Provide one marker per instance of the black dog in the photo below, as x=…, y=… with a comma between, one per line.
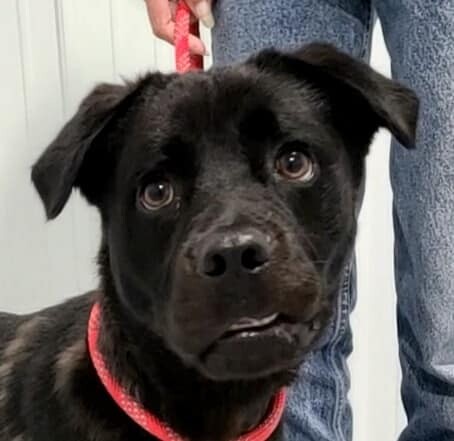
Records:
x=227, y=201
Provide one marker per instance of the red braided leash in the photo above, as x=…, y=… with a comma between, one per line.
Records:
x=184, y=27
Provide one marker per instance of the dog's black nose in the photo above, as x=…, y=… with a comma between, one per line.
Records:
x=239, y=252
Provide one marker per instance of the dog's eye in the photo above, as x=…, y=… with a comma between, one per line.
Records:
x=296, y=166
x=156, y=195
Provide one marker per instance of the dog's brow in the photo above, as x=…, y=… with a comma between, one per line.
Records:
x=259, y=124
x=171, y=151
x=172, y=155
x=174, y=148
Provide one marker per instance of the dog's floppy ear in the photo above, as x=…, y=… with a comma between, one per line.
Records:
x=383, y=102
x=58, y=169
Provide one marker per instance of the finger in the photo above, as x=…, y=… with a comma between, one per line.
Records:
x=160, y=17
x=202, y=10
x=196, y=46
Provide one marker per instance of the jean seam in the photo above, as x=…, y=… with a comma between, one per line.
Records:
x=342, y=318
x=367, y=32
x=347, y=14
x=338, y=330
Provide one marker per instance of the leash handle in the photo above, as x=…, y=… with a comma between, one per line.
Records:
x=184, y=26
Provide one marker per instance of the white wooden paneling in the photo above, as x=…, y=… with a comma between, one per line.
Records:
x=52, y=52
x=43, y=88
x=24, y=276
x=134, y=46
x=86, y=58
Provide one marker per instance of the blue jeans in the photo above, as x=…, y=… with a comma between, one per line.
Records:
x=420, y=38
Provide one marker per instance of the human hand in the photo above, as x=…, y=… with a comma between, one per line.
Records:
x=162, y=18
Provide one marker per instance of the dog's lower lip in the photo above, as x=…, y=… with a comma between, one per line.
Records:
x=255, y=353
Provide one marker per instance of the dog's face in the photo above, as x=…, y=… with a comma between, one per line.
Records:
x=228, y=198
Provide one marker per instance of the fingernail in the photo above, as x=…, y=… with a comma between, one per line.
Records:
x=203, y=11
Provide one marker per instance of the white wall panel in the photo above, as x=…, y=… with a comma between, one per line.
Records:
x=21, y=239
x=52, y=52
x=87, y=59
x=134, y=47
x=44, y=91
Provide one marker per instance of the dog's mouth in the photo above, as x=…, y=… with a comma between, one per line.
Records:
x=257, y=347
x=247, y=323
x=248, y=327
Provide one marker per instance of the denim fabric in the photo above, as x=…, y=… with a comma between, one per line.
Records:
x=420, y=38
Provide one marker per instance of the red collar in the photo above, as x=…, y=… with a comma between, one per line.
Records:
x=145, y=419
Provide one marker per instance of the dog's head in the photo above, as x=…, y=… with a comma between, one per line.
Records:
x=228, y=198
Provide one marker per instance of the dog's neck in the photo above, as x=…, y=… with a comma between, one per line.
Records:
x=195, y=407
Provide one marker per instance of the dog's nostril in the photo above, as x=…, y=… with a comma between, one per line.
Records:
x=253, y=258
x=233, y=255
x=215, y=265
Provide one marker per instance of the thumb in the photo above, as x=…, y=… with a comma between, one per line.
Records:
x=202, y=10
